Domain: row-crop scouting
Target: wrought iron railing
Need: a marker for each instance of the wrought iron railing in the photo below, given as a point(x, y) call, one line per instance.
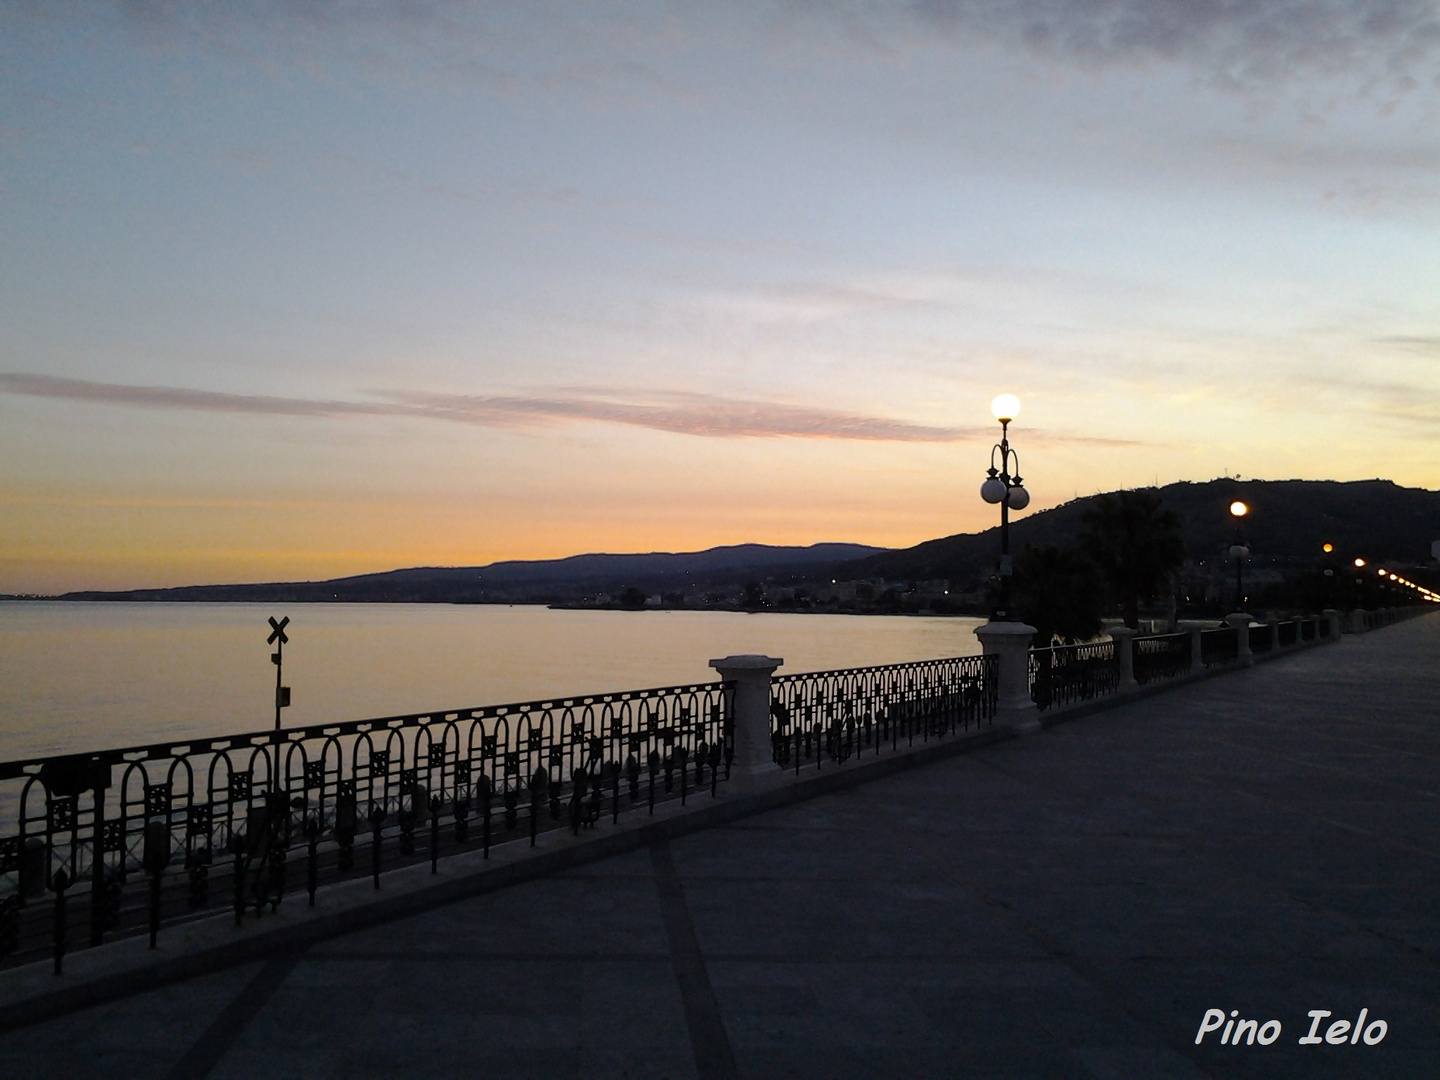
point(217, 823)
point(1220, 646)
point(835, 715)
point(1260, 638)
point(1163, 656)
point(1374, 620)
point(1064, 674)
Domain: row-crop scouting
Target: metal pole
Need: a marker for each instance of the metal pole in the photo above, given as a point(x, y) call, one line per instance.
point(1239, 565)
point(97, 866)
point(1003, 610)
point(279, 659)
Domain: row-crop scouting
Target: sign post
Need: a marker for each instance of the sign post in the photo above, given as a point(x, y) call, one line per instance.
point(278, 639)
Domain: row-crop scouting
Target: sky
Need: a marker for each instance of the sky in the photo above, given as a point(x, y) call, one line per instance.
point(298, 290)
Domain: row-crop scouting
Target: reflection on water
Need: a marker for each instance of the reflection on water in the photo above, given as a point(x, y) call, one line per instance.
point(77, 676)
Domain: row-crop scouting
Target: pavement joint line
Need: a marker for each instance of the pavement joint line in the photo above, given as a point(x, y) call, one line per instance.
point(714, 1059)
point(30, 994)
point(470, 956)
point(215, 1042)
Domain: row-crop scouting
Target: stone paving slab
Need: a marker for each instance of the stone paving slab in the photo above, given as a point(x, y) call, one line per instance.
point(1066, 905)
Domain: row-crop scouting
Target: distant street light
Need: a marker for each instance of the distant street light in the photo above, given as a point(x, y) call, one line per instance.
point(1239, 551)
point(1003, 486)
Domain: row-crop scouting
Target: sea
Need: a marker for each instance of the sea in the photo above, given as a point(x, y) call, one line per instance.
point(78, 676)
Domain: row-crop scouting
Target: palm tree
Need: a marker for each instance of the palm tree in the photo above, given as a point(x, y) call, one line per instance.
point(1136, 543)
point(1057, 591)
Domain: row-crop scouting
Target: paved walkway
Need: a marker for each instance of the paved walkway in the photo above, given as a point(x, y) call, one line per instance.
point(1067, 905)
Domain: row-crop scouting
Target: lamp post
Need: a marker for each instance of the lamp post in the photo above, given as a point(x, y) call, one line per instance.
point(1329, 574)
point(1238, 551)
point(1002, 485)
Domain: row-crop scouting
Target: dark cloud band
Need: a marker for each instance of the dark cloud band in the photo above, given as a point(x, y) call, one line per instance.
point(685, 414)
point(1240, 41)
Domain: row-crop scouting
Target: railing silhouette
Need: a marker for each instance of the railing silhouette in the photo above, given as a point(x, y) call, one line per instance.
point(1163, 656)
point(1221, 646)
point(1260, 638)
point(230, 822)
point(1064, 674)
point(835, 715)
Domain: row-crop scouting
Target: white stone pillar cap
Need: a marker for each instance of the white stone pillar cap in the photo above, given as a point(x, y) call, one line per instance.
point(748, 662)
point(1004, 629)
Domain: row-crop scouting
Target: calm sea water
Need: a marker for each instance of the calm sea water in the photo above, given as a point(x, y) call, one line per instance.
point(76, 676)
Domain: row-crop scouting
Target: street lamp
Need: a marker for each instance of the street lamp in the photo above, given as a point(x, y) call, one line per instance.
point(1002, 486)
point(1238, 551)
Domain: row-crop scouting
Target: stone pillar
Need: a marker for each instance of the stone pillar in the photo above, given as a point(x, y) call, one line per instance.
point(1010, 641)
point(1241, 623)
point(1195, 628)
point(754, 752)
point(1124, 639)
point(1299, 630)
point(1357, 621)
point(1275, 635)
point(1332, 616)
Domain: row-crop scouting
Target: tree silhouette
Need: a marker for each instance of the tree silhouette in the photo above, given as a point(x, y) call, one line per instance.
point(1057, 591)
point(1136, 544)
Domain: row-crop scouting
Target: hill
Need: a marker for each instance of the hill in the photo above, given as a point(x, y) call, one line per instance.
point(1288, 522)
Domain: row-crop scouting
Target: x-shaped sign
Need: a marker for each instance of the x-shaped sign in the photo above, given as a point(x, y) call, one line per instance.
point(279, 630)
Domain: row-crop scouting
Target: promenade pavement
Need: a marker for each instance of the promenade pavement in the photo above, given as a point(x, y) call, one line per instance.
point(1064, 905)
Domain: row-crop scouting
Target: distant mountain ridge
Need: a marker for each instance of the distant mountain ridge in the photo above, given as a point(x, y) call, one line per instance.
point(531, 579)
point(1289, 521)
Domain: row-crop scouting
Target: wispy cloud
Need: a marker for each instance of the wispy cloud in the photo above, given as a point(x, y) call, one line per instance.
point(684, 414)
point(1240, 42)
point(1420, 343)
point(679, 413)
point(166, 397)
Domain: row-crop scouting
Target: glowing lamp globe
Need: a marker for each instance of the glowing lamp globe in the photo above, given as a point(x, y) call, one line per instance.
point(1005, 407)
point(1019, 498)
point(1359, 562)
point(1328, 548)
point(993, 490)
point(1238, 509)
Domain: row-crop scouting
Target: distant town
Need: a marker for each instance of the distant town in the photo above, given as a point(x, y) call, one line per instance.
point(1312, 544)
